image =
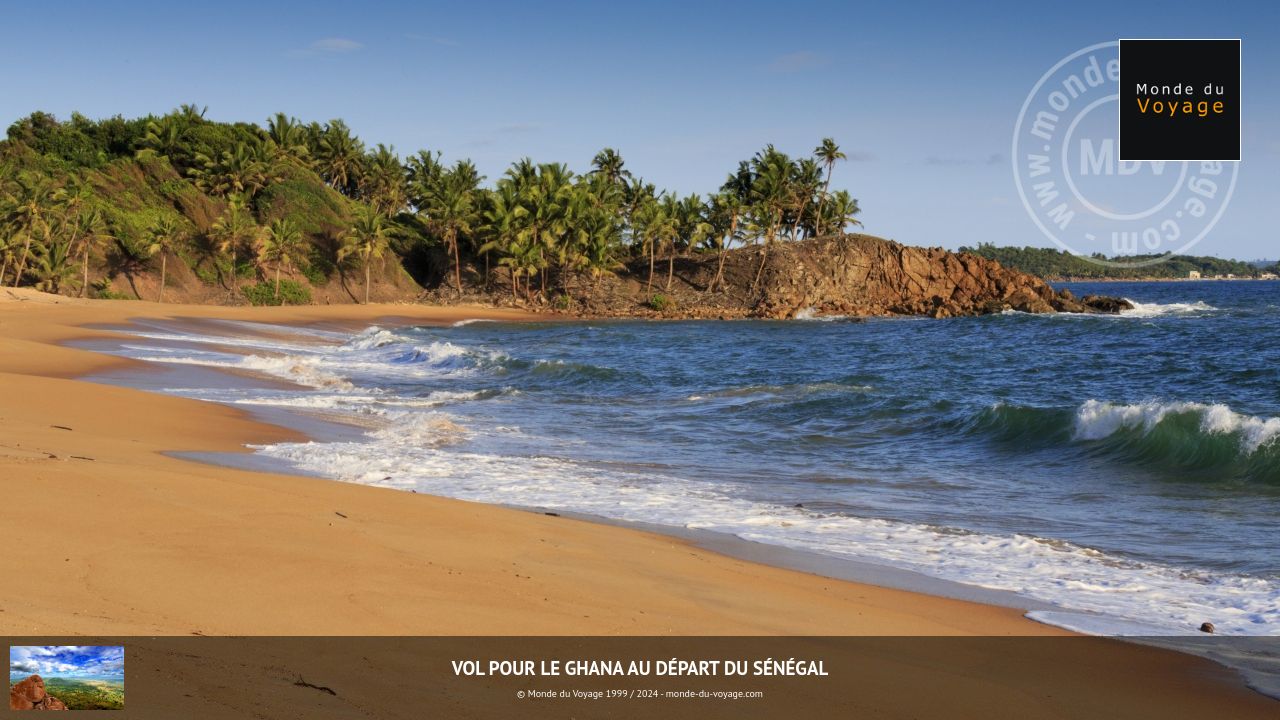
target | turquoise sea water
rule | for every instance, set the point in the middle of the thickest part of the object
(1124, 468)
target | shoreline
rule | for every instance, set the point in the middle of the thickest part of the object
(284, 522)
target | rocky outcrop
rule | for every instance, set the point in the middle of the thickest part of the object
(29, 694)
(863, 275)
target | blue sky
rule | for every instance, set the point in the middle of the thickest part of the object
(97, 662)
(923, 96)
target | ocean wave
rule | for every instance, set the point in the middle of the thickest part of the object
(1096, 420)
(1211, 439)
(1148, 310)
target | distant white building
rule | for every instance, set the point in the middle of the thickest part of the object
(1193, 275)
(1268, 276)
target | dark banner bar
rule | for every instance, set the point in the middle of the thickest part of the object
(678, 677)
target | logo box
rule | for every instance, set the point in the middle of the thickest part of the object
(1180, 100)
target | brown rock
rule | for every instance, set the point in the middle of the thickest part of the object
(1105, 304)
(29, 694)
(32, 689)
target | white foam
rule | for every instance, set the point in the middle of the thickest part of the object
(1147, 310)
(811, 314)
(432, 457)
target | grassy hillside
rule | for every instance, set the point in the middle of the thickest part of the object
(104, 208)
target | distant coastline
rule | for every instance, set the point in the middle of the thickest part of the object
(1059, 266)
(1155, 279)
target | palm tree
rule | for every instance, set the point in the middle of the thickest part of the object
(53, 266)
(598, 232)
(771, 191)
(164, 234)
(839, 213)
(34, 203)
(6, 254)
(73, 197)
(341, 155)
(367, 240)
(383, 183)
(423, 172)
(686, 224)
(522, 260)
(544, 192)
(827, 153)
(726, 209)
(608, 164)
(230, 232)
(806, 174)
(91, 229)
(163, 137)
(243, 171)
(502, 217)
(636, 195)
(451, 209)
(280, 245)
(649, 223)
(287, 139)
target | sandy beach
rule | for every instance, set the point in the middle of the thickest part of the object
(107, 534)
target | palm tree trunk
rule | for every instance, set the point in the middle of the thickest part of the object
(164, 272)
(651, 254)
(457, 265)
(4, 268)
(826, 187)
(514, 297)
(84, 285)
(671, 267)
(277, 281)
(764, 254)
(724, 249)
(719, 267)
(22, 264)
(366, 282)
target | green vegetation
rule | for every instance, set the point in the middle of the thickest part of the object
(1058, 265)
(87, 694)
(662, 303)
(86, 201)
(279, 292)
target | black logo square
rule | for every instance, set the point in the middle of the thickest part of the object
(1179, 100)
